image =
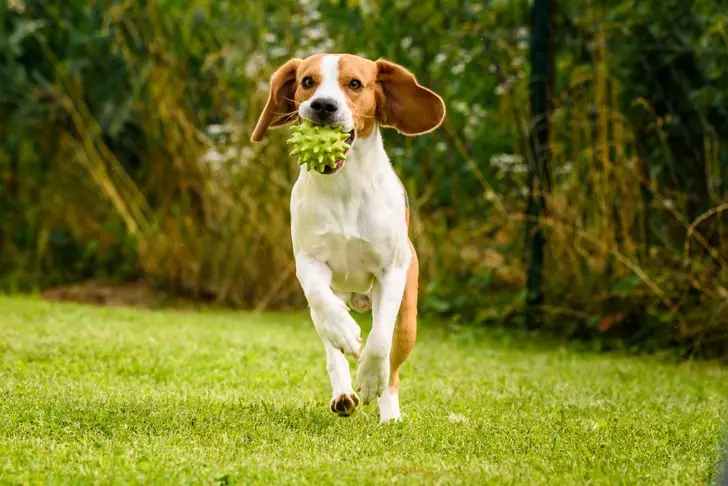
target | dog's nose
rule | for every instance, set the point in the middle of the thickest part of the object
(324, 108)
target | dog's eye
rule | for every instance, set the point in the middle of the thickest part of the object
(355, 84)
(307, 82)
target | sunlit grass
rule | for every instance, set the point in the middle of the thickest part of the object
(125, 396)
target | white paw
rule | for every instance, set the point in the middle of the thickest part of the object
(372, 375)
(334, 324)
(344, 404)
(389, 406)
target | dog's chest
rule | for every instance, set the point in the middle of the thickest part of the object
(359, 234)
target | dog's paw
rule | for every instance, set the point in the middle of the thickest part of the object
(338, 327)
(389, 406)
(372, 375)
(361, 302)
(344, 404)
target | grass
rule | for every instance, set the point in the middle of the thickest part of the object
(127, 396)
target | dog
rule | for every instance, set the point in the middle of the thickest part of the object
(349, 224)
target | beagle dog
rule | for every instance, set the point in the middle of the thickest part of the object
(349, 224)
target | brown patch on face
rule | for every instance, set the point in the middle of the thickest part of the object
(383, 93)
(358, 79)
(286, 93)
(309, 67)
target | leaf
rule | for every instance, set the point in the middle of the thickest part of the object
(438, 305)
(23, 29)
(627, 284)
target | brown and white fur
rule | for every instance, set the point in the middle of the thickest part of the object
(349, 226)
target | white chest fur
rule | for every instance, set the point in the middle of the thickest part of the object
(353, 220)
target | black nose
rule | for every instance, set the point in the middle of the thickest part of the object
(324, 107)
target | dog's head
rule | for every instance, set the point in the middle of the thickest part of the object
(352, 92)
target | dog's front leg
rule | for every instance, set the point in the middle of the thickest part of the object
(373, 374)
(329, 313)
(343, 399)
(337, 329)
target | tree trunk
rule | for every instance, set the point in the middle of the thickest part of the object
(541, 89)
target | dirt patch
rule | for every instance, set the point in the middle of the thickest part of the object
(133, 294)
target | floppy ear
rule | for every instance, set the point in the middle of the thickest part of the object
(403, 103)
(280, 108)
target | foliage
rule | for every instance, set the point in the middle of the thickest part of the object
(121, 396)
(125, 154)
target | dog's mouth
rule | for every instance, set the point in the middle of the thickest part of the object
(340, 162)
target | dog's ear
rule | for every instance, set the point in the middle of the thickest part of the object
(403, 103)
(280, 108)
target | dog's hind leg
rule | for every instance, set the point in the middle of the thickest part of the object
(403, 341)
(360, 302)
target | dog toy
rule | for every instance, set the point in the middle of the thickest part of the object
(318, 147)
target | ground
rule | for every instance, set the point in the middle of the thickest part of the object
(108, 395)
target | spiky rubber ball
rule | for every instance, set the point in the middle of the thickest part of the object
(317, 146)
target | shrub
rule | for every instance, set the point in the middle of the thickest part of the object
(125, 155)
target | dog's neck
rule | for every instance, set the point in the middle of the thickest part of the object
(366, 162)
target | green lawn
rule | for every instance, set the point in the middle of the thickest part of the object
(127, 396)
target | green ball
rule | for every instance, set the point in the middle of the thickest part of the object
(318, 146)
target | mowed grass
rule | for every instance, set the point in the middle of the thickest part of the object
(94, 395)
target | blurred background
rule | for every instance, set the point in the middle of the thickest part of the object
(126, 163)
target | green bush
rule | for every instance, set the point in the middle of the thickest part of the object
(125, 155)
